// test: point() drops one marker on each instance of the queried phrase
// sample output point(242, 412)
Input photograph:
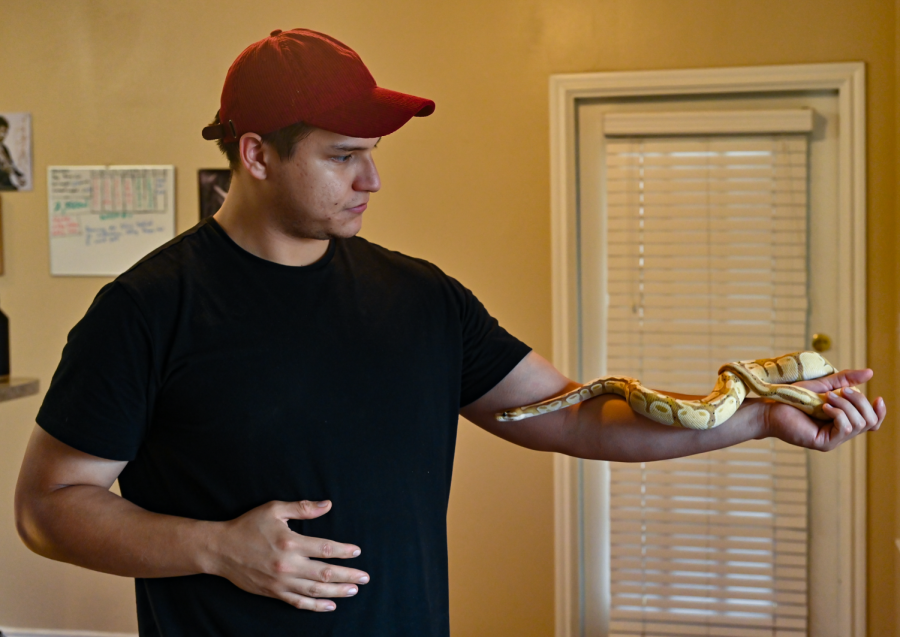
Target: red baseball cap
point(305, 76)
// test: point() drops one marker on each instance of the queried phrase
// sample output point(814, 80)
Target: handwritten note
point(105, 218)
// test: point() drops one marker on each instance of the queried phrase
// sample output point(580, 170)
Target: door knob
point(821, 342)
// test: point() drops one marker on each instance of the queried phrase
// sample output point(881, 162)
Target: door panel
point(824, 269)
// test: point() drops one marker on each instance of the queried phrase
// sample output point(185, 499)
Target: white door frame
point(848, 80)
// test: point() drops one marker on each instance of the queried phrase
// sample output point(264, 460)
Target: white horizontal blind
point(795, 120)
point(706, 255)
point(707, 264)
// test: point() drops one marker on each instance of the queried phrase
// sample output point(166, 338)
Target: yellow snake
point(767, 377)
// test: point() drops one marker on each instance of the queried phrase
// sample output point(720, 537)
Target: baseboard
point(35, 632)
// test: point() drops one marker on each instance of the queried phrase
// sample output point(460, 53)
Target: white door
point(826, 564)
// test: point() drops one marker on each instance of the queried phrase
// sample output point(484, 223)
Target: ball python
point(768, 377)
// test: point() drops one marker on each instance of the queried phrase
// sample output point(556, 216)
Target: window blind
point(707, 264)
point(718, 122)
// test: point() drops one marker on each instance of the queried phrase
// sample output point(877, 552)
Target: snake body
point(768, 377)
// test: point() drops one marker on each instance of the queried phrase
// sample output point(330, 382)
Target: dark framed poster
point(15, 151)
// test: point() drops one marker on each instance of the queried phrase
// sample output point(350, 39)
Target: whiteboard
point(103, 219)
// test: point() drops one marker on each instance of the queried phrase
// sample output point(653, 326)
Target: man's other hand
point(260, 554)
point(850, 411)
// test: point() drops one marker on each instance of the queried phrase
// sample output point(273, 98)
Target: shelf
point(13, 388)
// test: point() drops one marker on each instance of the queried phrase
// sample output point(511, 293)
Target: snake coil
point(768, 377)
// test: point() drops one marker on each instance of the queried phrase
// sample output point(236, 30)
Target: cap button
point(275, 32)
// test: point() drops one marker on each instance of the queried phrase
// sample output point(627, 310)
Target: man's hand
point(850, 410)
point(260, 554)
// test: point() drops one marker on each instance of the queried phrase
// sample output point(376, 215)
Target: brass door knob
point(821, 342)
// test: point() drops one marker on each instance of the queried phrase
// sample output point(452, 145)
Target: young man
point(279, 398)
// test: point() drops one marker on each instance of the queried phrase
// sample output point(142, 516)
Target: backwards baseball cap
point(305, 76)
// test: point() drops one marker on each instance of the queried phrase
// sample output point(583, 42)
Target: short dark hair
point(3, 122)
point(284, 140)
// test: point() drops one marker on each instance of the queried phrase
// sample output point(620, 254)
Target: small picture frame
point(2, 268)
point(16, 170)
point(214, 184)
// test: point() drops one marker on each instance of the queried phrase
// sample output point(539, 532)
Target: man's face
point(322, 191)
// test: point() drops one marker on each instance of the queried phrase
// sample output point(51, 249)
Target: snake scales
point(768, 377)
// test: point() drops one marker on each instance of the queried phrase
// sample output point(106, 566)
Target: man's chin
point(348, 230)
point(345, 231)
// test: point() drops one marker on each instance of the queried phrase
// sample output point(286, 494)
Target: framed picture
point(214, 184)
point(15, 152)
point(2, 269)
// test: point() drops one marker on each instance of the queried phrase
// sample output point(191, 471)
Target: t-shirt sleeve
point(489, 351)
point(99, 399)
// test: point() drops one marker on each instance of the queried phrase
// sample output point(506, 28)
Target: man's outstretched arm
point(65, 511)
point(606, 428)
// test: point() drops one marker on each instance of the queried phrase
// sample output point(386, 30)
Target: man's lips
point(358, 209)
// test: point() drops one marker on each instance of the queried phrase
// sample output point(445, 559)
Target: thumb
point(303, 509)
point(849, 377)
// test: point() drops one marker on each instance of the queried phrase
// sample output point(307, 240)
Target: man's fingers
point(327, 549)
point(847, 377)
point(311, 546)
point(302, 510)
point(319, 589)
point(863, 406)
point(841, 427)
point(844, 378)
point(266, 558)
point(880, 411)
point(331, 574)
point(307, 603)
point(856, 419)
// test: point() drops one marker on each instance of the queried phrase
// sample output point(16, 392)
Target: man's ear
point(253, 155)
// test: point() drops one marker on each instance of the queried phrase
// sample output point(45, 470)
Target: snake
point(768, 377)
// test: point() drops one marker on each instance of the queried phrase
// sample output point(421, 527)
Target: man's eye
point(342, 158)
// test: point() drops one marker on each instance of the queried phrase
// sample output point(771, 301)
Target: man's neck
point(254, 231)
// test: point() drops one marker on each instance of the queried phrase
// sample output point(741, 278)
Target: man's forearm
point(65, 511)
point(606, 428)
point(94, 528)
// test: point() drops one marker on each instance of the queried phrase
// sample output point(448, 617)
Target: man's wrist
point(758, 417)
point(207, 543)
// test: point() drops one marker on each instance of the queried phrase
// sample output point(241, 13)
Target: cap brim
point(378, 113)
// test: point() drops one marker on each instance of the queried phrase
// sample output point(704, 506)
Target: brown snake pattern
point(768, 377)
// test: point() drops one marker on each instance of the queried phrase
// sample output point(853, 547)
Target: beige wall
point(112, 82)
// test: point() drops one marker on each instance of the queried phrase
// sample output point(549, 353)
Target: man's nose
point(368, 179)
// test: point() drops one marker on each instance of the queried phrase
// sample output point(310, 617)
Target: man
point(278, 397)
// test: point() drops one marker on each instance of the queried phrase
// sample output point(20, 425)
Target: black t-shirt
point(228, 381)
